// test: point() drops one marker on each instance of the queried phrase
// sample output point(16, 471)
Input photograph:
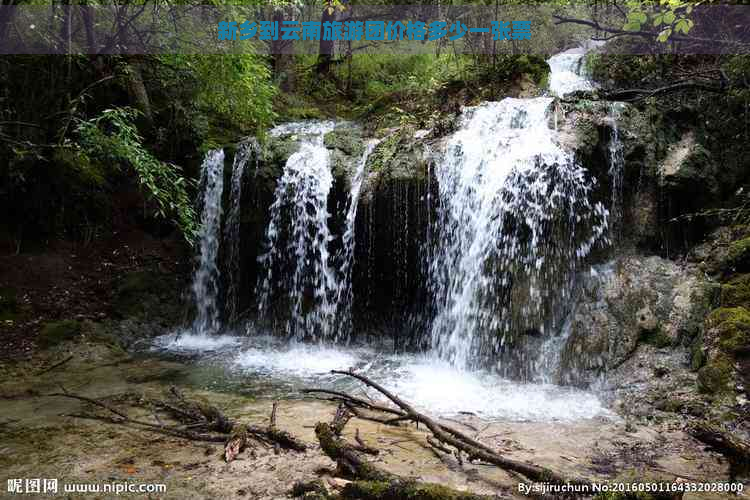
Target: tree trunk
point(137, 90)
point(325, 51)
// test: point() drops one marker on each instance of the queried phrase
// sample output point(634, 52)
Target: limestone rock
point(634, 300)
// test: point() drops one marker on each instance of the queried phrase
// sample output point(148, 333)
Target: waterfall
point(317, 283)
point(514, 220)
point(296, 262)
point(616, 167)
point(207, 276)
point(567, 71)
point(344, 293)
point(245, 151)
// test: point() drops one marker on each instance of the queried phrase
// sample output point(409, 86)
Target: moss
point(56, 332)
point(736, 292)
point(398, 157)
point(738, 255)
point(404, 490)
point(733, 327)
point(716, 376)
point(697, 355)
point(670, 405)
point(348, 140)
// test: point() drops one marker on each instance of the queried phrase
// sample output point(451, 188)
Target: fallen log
point(737, 450)
point(369, 482)
point(473, 448)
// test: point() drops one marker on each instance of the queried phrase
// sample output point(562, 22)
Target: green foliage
point(669, 16)
point(113, 137)
point(236, 87)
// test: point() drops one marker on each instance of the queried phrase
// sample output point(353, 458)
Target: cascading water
point(344, 293)
point(301, 269)
point(616, 167)
point(245, 152)
point(514, 221)
point(206, 279)
point(317, 283)
point(567, 71)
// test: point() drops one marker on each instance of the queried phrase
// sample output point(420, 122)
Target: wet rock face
point(633, 302)
point(392, 222)
point(588, 129)
point(345, 145)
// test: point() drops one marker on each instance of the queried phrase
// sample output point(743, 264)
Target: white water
point(207, 276)
point(567, 70)
point(188, 341)
point(300, 211)
point(616, 167)
point(245, 151)
point(514, 220)
point(279, 369)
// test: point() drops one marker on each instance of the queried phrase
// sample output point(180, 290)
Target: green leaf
point(669, 17)
point(664, 35)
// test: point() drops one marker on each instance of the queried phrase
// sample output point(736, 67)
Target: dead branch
point(630, 95)
point(198, 421)
point(344, 397)
point(473, 448)
point(373, 483)
point(616, 32)
point(363, 447)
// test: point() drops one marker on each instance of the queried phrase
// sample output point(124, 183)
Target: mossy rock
point(347, 139)
point(278, 149)
point(56, 332)
point(738, 256)
point(398, 157)
point(736, 292)
point(733, 327)
point(670, 405)
point(717, 376)
point(697, 354)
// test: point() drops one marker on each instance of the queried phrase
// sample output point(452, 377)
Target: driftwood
point(369, 482)
point(447, 436)
point(198, 421)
